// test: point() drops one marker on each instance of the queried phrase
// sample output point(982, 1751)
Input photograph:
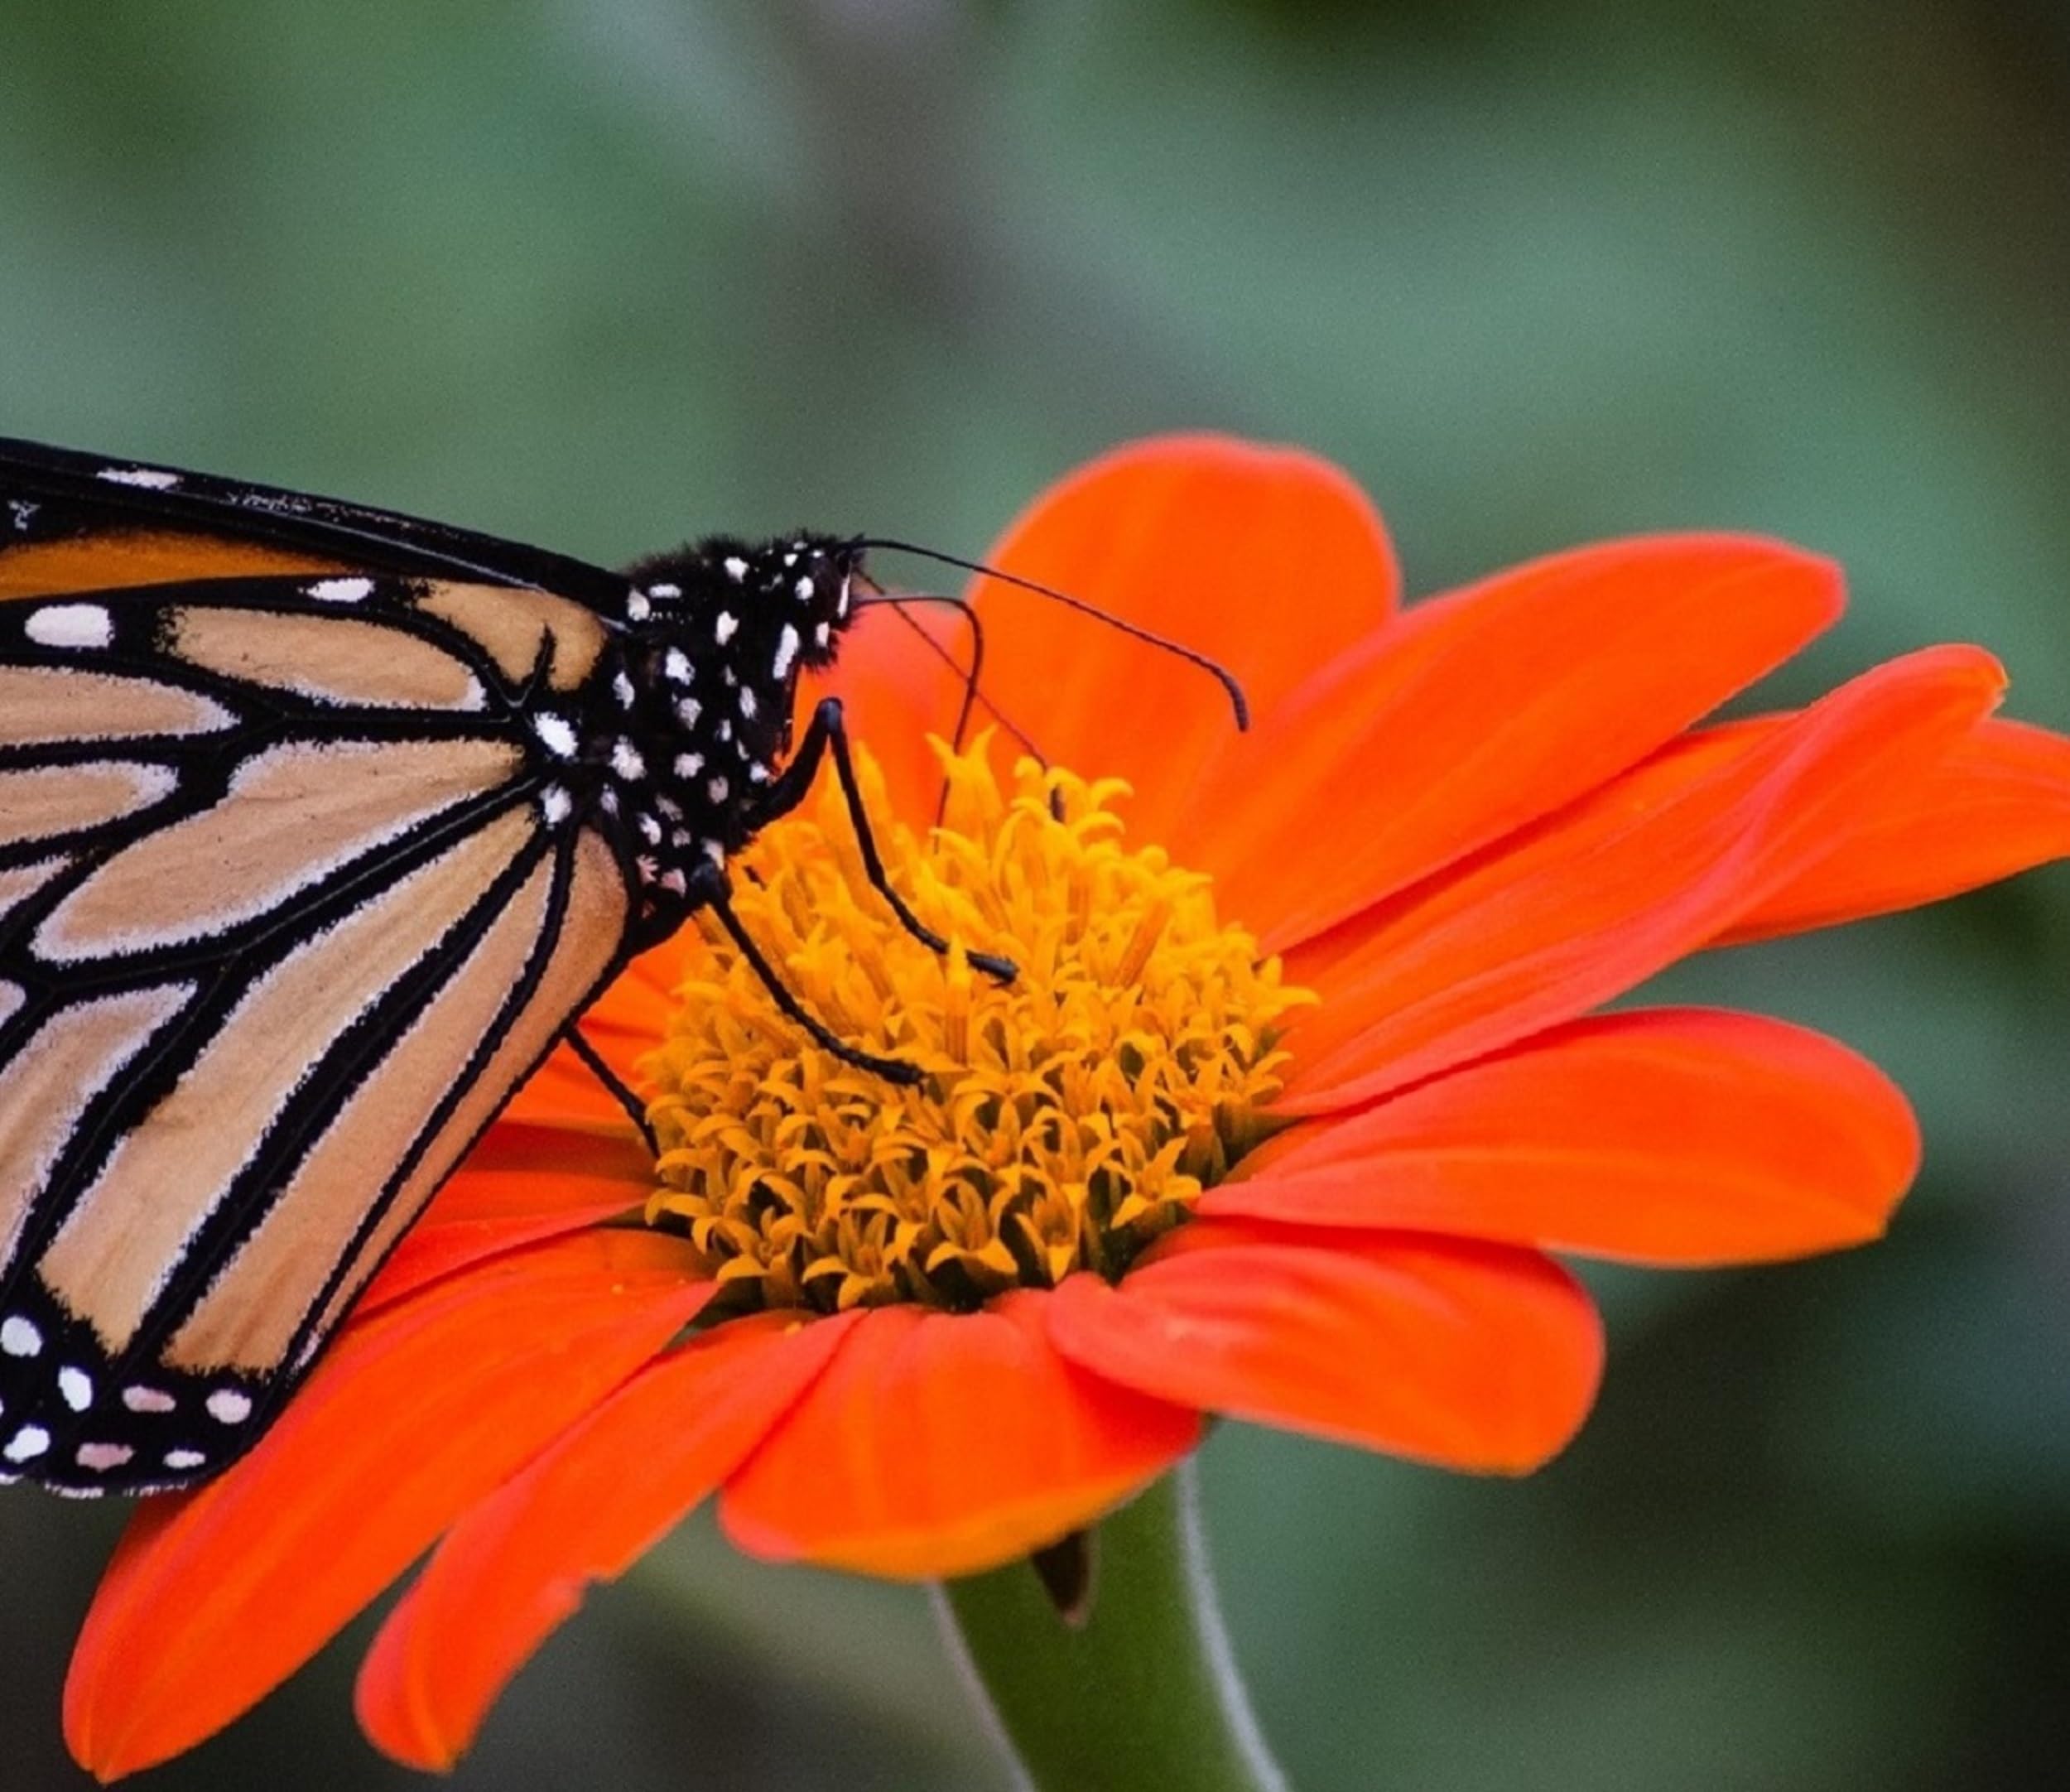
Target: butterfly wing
point(291, 899)
point(71, 521)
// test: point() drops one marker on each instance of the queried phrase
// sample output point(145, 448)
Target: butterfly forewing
point(318, 826)
point(286, 911)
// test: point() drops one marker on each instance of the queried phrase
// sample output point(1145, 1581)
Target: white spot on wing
point(341, 590)
point(555, 733)
point(786, 652)
point(747, 702)
point(151, 479)
point(664, 590)
point(75, 1387)
point(717, 789)
point(70, 625)
point(104, 1456)
point(736, 568)
point(556, 805)
point(626, 761)
point(688, 765)
point(19, 1336)
point(184, 1459)
point(804, 589)
point(228, 1407)
point(675, 667)
point(148, 1400)
point(687, 711)
point(726, 627)
point(26, 1444)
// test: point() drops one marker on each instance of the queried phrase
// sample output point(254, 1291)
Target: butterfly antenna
point(1192, 656)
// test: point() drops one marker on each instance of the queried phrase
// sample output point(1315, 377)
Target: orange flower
point(1305, 1174)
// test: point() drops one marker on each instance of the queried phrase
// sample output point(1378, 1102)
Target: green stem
point(1143, 1694)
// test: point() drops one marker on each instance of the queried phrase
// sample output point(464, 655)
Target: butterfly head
point(716, 637)
point(768, 610)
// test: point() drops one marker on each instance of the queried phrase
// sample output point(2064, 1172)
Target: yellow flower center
point(1065, 1119)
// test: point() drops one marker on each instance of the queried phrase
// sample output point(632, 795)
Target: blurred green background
point(603, 272)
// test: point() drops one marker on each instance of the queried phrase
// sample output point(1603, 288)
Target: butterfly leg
point(708, 889)
point(828, 731)
point(614, 1085)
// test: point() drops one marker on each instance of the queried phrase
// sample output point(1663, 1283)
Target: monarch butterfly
point(319, 828)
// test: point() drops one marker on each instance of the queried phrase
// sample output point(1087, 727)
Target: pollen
point(1064, 1119)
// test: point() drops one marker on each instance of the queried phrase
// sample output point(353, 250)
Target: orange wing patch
point(336, 659)
point(41, 802)
point(46, 1085)
point(122, 1238)
point(249, 1316)
point(291, 814)
point(110, 559)
point(40, 704)
point(509, 623)
point(588, 941)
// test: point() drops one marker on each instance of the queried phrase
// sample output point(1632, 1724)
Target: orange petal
point(1999, 803)
point(214, 1597)
point(1676, 1136)
point(626, 1022)
point(520, 1184)
point(1471, 1355)
point(1549, 924)
point(1267, 559)
point(1481, 711)
point(563, 1093)
point(898, 677)
point(941, 1443)
point(516, 1564)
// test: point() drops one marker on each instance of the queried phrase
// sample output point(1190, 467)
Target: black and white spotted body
point(701, 699)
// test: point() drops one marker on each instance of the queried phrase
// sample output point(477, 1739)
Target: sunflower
point(1304, 1075)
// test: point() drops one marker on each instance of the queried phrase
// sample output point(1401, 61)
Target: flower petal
point(566, 1094)
point(515, 1565)
point(1999, 803)
point(214, 1597)
point(1472, 1355)
point(1672, 1136)
point(1267, 559)
point(1546, 925)
point(941, 1443)
point(1481, 711)
point(897, 677)
point(520, 1184)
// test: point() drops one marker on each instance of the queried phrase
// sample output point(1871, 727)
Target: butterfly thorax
point(691, 720)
